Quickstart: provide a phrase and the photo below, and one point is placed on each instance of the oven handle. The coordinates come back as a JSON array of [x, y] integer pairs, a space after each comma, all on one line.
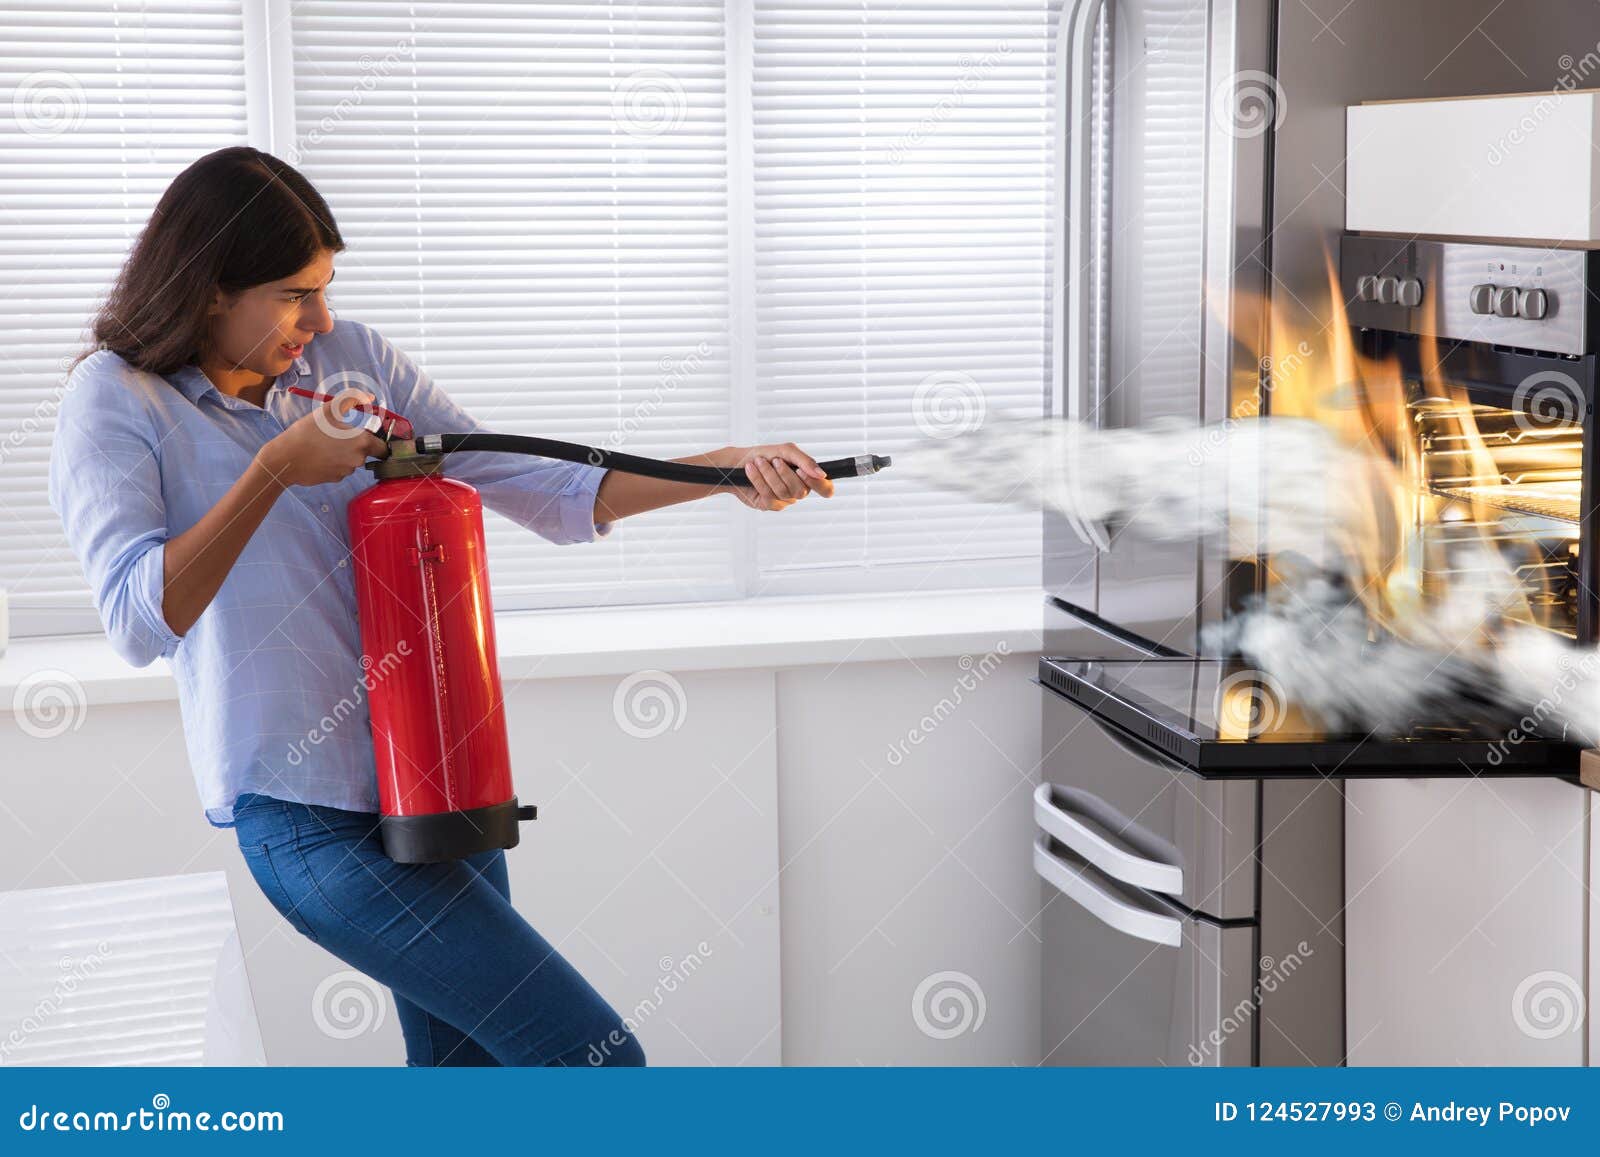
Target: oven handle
[[1135, 748], [1074, 882], [1117, 862], [1126, 743]]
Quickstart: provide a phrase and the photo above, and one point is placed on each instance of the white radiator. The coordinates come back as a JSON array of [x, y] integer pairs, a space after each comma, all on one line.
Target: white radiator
[[133, 972]]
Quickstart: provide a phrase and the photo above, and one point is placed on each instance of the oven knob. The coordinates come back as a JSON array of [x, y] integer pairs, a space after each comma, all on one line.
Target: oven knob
[[1410, 292], [1366, 288], [1505, 302], [1532, 304], [1482, 299], [1388, 290]]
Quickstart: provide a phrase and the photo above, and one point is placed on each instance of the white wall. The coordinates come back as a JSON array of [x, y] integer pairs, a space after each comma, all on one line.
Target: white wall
[[769, 824]]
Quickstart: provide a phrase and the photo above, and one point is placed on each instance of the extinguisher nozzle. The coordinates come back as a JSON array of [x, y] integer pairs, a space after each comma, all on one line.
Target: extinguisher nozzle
[[527, 811], [856, 466]]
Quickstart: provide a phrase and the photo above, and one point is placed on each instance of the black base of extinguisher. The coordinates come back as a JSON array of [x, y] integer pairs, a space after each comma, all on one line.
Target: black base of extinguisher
[[443, 836]]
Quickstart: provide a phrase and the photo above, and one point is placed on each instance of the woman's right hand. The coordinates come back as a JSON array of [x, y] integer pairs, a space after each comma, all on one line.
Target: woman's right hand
[[322, 446]]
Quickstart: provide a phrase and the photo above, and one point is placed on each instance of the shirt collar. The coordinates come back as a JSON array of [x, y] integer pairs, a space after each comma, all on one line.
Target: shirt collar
[[192, 380], [299, 368]]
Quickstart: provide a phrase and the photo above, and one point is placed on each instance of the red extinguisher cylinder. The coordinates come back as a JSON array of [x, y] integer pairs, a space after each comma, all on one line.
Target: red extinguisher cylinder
[[433, 681]]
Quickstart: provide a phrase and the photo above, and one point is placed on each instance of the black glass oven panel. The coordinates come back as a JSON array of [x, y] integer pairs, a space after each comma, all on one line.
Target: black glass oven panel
[[1217, 716]]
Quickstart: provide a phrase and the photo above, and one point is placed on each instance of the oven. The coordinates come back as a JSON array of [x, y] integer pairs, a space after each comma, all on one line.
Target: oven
[[1495, 348], [1188, 836]]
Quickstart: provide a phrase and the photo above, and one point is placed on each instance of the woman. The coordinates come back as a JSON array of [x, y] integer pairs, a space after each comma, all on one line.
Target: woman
[[207, 504]]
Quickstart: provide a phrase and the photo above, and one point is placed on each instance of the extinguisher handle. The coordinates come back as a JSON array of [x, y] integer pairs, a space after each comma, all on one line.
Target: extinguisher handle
[[386, 424]]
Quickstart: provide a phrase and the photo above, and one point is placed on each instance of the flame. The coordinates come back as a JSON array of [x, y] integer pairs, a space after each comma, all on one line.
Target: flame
[[1478, 508]]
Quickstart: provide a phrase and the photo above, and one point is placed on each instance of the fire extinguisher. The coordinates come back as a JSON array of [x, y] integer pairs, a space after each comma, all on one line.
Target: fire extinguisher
[[427, 635]]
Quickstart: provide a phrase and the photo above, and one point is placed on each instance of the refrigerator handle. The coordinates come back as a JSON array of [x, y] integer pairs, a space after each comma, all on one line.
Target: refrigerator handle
[[1070, 371], [1143, 921], [1066, 823]]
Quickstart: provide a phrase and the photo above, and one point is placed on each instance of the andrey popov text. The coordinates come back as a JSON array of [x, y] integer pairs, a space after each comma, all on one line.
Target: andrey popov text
[[1453, 1113]]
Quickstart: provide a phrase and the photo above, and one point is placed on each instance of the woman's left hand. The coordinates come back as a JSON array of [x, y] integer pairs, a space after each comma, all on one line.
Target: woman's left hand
[[780, 474]]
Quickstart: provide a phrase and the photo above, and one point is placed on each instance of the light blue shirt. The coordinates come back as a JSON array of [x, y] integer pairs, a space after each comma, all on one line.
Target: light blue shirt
[[269, 677]]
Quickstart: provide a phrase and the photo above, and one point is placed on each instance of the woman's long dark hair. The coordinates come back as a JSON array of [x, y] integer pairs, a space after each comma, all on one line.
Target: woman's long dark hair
[[235, 218]]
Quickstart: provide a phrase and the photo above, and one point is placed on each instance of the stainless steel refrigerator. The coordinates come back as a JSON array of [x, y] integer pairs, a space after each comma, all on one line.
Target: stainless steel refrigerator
[[1158, 926]]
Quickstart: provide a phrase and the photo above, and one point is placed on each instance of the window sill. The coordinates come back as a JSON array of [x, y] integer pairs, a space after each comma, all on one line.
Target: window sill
[[770, 632]]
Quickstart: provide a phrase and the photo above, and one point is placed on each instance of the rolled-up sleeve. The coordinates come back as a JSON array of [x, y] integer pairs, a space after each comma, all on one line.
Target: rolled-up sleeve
[[105, 485], [554, 499]]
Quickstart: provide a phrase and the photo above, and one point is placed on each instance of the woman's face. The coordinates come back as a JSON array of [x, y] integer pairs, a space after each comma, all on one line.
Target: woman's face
[[265, 327]]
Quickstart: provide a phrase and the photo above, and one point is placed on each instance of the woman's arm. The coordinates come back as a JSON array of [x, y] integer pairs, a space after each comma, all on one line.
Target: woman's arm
[[196, 561], [775, 482], [317, 448], [557, 499]]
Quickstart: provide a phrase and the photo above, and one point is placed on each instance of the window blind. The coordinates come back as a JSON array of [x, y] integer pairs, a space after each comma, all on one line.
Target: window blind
[[902, 158], [543, 202], [535, 199], [101, 105]]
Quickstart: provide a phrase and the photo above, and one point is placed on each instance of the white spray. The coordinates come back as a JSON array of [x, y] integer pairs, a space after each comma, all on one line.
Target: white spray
[[1328, 514]]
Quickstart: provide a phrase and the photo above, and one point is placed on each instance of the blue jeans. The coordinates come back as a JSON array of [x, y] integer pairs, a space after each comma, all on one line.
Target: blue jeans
[[473, 982]]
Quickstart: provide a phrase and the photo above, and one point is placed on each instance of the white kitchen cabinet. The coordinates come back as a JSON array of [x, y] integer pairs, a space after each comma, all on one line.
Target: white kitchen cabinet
[[1466, 921], [911, 931], [1476, 166]]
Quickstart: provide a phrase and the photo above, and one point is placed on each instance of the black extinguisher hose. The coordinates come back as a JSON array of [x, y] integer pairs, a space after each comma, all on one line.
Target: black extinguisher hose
[[854, 467]]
